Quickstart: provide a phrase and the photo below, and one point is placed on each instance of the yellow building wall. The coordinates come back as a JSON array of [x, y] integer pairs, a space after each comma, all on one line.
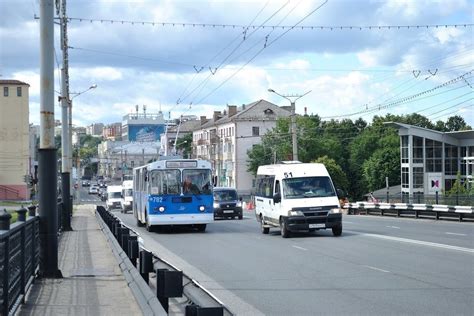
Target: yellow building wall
[[14, 141]]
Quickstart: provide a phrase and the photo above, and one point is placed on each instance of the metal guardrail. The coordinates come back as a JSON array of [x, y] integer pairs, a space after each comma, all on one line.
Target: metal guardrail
[[19, 258], [416, 210], [170, 281]]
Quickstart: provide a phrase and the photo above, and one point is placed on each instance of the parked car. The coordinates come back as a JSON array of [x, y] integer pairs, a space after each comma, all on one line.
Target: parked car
[[227, 203]]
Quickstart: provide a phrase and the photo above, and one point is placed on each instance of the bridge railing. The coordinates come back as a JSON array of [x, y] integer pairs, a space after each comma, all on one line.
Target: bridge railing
[[416, 210], [19, 258]]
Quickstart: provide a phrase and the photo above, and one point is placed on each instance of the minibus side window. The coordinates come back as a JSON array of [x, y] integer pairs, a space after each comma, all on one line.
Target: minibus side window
[[277, 186]]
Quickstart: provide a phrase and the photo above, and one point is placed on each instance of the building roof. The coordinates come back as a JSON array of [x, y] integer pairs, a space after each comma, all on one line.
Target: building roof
[[462, 134], [457, 134], [186, 127], [258, 110], [13, 82]]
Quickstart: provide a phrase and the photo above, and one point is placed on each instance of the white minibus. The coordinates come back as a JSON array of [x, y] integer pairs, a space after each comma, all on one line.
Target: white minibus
[[127, 196], [296, 197]]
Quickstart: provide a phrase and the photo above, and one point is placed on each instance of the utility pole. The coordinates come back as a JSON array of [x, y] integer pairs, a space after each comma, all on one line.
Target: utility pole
[[66, 141], [48, 208], [292, 99]]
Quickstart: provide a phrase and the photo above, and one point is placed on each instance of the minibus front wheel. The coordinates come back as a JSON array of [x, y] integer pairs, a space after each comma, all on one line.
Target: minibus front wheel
[[285, 233]]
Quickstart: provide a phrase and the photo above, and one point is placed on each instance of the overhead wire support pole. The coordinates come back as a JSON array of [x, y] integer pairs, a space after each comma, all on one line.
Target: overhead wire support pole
[[47, 163], [66, 148], [294, 138]]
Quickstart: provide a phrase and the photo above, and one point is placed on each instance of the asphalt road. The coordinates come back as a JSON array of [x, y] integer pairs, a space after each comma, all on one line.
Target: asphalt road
[[379, 266]]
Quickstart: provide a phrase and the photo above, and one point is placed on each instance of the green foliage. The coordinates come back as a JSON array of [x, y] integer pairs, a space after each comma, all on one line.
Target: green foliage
[[184, 144], [458, 187], [335, 171]]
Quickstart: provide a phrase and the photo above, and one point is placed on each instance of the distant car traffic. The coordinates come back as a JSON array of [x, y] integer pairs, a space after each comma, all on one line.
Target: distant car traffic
[[85, 183], [94, 189]]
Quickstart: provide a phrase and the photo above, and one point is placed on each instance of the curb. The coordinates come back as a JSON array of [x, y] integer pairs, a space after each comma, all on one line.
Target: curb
[[146, 299]]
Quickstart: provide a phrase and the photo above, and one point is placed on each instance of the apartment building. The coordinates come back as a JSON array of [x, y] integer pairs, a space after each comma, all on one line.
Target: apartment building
[[14, 140], [225, 139]]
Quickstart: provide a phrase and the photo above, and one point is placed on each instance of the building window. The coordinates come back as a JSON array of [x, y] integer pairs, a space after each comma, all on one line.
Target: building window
[[417, 149], [434, 151], [18, 91], [405, 183], [255, 131], [5, 91], [451, 159], [404, 149], [417, 178]]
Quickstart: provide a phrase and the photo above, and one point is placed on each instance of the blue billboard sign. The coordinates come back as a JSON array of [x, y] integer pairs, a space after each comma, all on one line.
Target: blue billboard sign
[[145, 133]]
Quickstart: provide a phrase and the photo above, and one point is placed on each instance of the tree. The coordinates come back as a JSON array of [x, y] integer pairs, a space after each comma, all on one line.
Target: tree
[[184, 145], [385, 162], [456, 123], [335, 171], [458, 187]]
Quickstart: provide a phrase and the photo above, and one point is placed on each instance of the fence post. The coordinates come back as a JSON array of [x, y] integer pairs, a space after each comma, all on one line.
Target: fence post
[[5, 220], [32, 210], [5, 225], [22, 218], [146, 264], [436, 197], [133, 249]]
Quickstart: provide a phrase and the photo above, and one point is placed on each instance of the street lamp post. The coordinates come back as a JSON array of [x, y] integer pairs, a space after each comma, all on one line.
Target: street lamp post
[[292, 99]]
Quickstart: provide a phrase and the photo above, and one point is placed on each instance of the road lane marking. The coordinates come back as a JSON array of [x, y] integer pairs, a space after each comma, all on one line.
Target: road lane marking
[[395, 227], [423, 243], [348, 222], [377, 269], [297, 247], [455, 234]]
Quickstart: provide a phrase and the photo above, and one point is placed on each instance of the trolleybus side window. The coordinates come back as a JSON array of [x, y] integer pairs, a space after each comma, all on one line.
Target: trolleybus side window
[[165, 182]]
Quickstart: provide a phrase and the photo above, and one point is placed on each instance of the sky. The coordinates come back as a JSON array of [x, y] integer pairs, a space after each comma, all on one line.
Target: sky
[[357, 58]]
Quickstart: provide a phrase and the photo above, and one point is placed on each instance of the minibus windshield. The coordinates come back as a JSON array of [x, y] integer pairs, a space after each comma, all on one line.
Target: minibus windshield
[[307, 187]]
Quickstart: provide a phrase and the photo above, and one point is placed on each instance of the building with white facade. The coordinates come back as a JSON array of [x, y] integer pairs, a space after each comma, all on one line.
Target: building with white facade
[[225, 139], [118, 158], [430, 160], [14, 140]]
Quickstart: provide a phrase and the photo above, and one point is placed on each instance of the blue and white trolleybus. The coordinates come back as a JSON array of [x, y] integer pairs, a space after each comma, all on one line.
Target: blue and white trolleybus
[[173, 192]]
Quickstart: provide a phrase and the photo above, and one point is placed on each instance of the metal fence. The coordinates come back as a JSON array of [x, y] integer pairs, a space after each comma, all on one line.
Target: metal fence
[[19, 258], [455, 199]]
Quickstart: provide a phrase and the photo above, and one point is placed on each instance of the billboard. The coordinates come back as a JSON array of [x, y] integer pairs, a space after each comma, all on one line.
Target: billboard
[[145, 132]]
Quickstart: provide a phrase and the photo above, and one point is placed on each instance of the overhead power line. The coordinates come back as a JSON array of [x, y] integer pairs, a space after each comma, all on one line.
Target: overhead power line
[[281, 27], [381, 106]]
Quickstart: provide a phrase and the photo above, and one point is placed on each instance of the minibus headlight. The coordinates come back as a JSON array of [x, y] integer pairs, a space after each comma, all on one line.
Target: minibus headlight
[[334, 211], [295, 213], [202, 208], [216, 205]]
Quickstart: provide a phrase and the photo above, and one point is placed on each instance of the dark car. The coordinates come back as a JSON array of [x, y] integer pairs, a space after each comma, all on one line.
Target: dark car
[[227, 203]]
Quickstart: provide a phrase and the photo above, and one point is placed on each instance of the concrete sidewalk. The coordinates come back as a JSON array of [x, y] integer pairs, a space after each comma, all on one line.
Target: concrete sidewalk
[[92, 283]]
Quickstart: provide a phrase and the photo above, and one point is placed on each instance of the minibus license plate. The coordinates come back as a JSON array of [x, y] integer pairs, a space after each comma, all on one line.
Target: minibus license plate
[[317, 225], [228, 211]]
